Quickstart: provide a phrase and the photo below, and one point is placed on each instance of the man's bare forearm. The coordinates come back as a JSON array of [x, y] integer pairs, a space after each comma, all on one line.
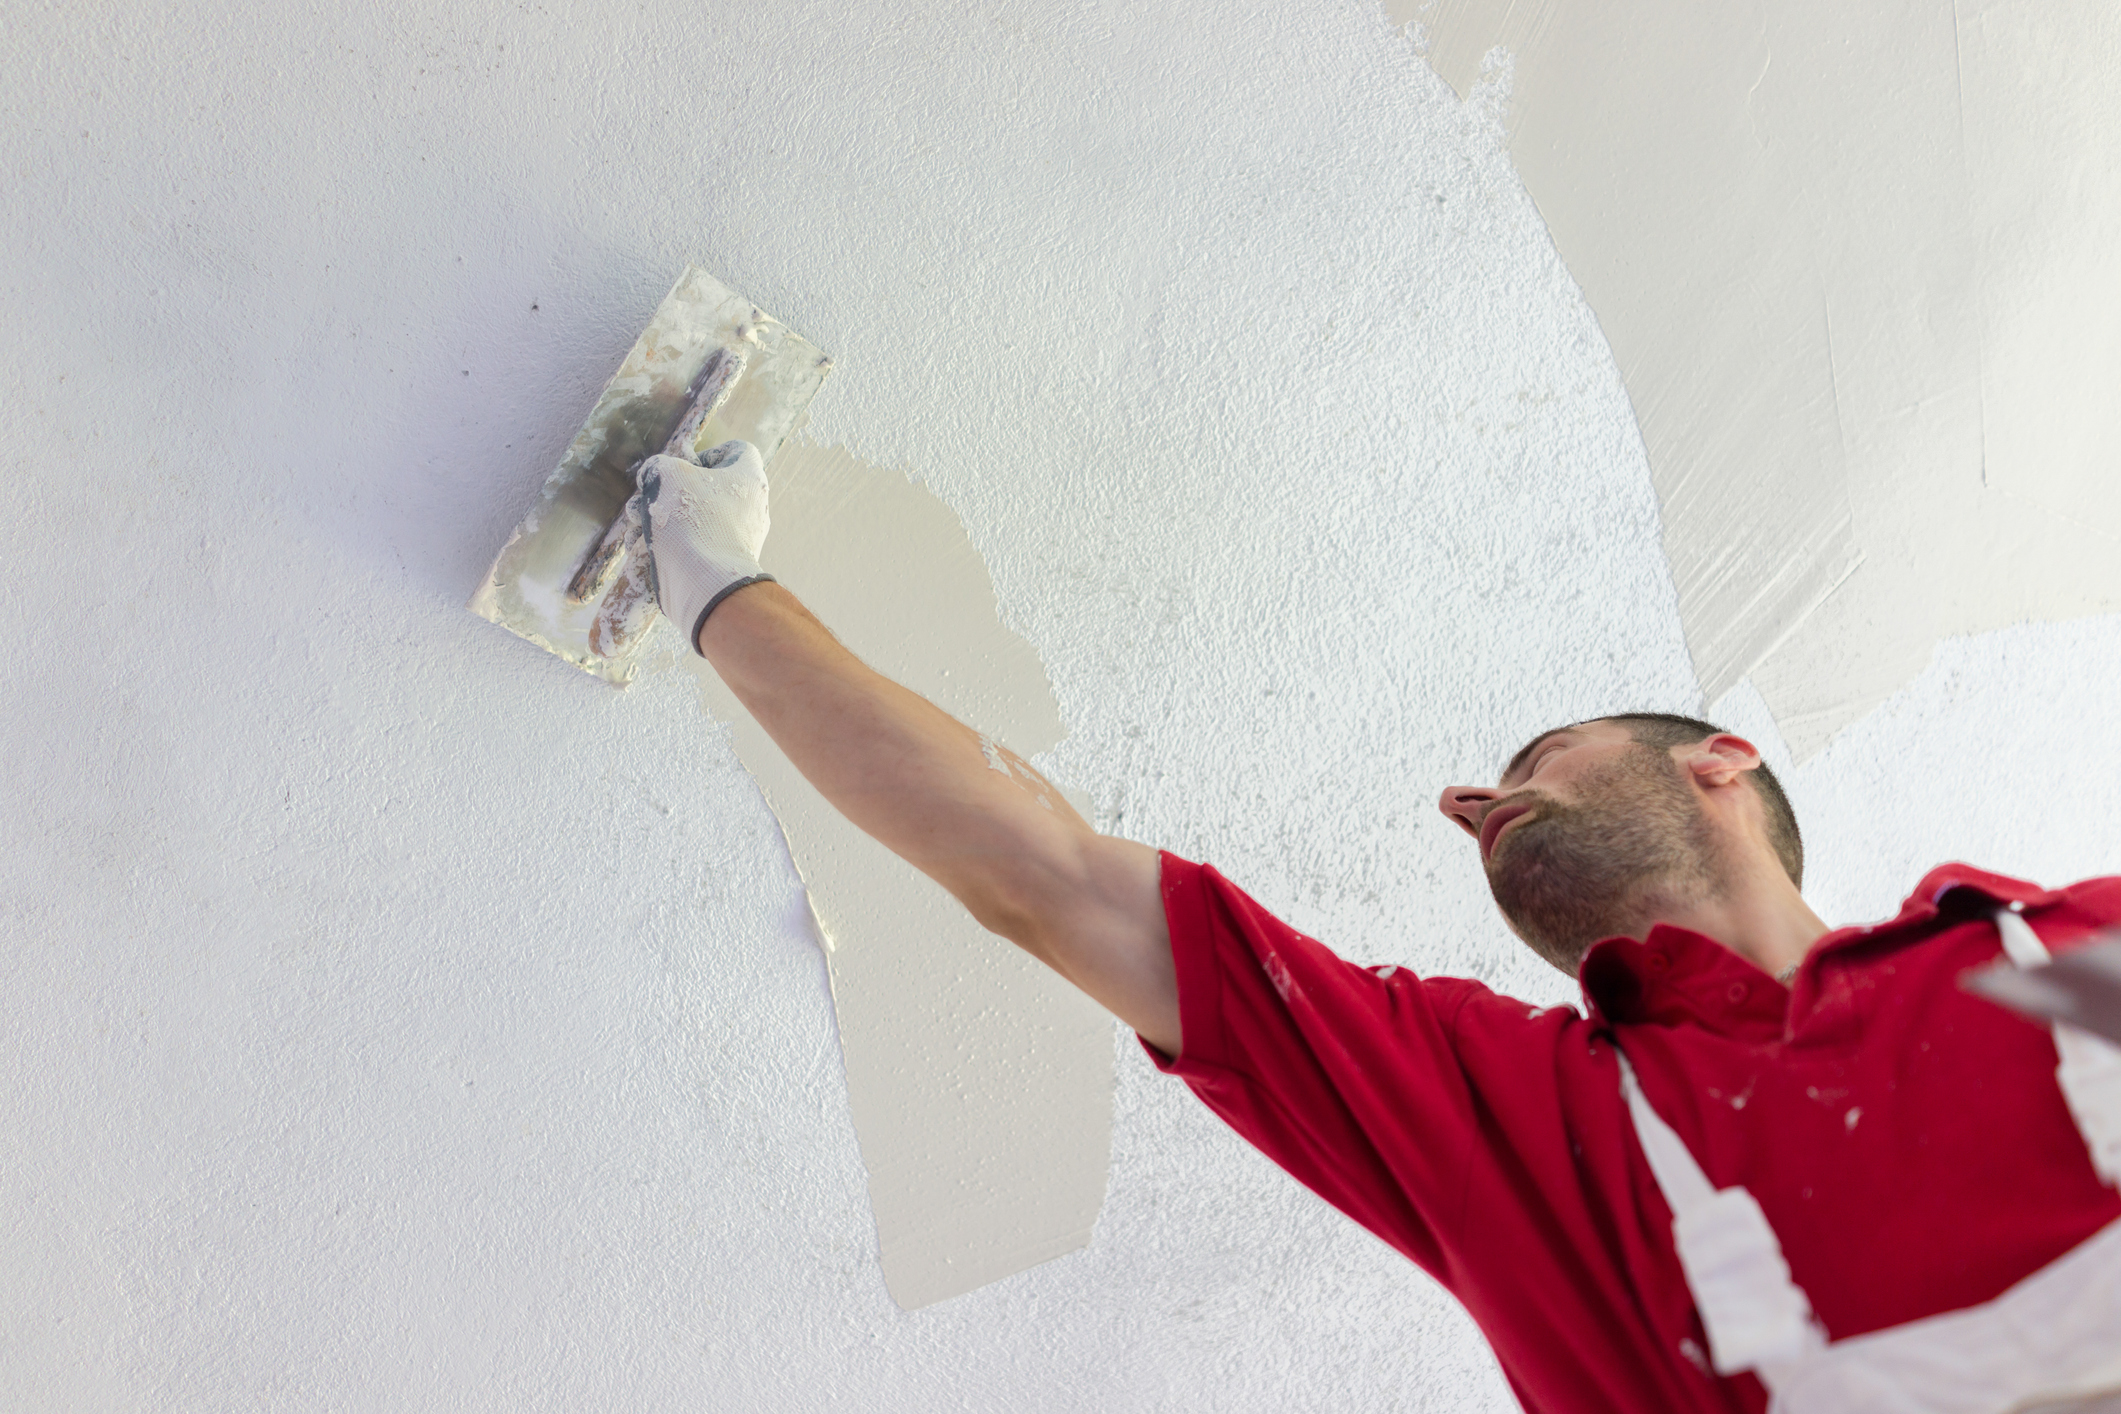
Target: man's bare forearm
[[961, 808], [921, 782]]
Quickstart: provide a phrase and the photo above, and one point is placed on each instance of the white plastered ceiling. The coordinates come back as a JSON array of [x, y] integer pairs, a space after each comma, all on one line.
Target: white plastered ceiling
[[396, 1017]]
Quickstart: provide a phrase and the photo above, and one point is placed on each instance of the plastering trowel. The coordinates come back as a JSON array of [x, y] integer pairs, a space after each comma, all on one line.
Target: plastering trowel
[[574, 577]]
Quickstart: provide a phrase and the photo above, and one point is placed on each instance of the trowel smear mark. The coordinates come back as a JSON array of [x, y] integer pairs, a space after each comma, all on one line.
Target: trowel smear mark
[[980, 1083]]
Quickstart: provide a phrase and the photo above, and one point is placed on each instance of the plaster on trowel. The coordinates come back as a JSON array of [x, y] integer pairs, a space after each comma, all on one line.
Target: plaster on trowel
[[574, 577]]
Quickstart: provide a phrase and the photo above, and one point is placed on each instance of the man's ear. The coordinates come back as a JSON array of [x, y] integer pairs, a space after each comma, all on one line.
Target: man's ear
[[1719, 760]]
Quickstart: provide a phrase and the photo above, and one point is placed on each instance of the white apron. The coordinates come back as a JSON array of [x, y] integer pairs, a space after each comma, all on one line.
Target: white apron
[[2049, 1345]]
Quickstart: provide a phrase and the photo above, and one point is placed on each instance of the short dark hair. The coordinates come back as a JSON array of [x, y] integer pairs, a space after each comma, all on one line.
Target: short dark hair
[[1661, 731]]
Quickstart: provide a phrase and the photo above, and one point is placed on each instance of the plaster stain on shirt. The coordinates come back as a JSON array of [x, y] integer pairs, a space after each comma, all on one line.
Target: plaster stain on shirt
[[1278, 974], [1384, 974], [1854, 1115]]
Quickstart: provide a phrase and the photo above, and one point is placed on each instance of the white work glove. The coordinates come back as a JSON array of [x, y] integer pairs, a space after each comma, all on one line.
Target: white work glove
[[705, 526]]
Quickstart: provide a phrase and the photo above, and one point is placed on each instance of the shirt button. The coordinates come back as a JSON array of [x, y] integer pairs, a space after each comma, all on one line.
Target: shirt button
[[1737, 992]]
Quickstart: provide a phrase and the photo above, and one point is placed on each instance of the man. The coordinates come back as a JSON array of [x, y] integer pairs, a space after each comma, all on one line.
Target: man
[[1765, 1163]]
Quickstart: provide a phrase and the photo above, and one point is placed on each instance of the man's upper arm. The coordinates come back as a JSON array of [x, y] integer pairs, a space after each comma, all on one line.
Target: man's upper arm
[[1346, 1076]]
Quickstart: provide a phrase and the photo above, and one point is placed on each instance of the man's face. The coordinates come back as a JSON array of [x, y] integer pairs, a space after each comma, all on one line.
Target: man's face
[[1587, 835]]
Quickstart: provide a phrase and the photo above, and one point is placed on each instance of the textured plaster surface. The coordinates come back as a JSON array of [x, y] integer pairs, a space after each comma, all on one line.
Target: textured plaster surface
[[396, 1017]]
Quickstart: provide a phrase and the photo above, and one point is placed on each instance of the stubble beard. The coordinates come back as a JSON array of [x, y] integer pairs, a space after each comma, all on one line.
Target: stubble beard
[[1635, 846]]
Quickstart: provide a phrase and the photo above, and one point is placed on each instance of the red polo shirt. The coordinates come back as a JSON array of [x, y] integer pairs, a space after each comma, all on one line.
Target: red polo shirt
[[1905, 1138]]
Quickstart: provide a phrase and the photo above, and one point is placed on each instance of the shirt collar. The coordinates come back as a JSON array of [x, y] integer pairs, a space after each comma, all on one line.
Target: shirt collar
[[1675, 975], [1977, 890]]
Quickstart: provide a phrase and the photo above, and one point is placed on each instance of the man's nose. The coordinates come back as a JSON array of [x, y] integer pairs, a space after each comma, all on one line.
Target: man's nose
[[1466, 805]]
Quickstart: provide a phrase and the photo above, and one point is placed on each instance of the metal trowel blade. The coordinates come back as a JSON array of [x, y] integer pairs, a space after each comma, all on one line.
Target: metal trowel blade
[[526, 591]]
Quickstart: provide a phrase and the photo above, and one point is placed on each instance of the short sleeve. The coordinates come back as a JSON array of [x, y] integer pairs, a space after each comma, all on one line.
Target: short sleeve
[[1344, 1075]]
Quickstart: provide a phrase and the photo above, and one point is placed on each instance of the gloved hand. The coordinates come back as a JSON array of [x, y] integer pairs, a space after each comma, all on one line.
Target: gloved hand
[[704, 528]]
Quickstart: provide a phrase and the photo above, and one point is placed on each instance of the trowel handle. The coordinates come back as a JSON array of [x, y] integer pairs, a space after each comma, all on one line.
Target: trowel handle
[[629, 606], [601, 564], [709, 390]]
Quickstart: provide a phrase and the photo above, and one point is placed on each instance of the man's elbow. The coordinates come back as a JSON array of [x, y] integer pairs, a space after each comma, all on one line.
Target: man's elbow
[[1034, 891]]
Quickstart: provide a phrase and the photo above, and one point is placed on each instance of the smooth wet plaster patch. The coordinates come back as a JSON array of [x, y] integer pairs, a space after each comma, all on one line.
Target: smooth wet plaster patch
[[980, 1082], [1855, 265]]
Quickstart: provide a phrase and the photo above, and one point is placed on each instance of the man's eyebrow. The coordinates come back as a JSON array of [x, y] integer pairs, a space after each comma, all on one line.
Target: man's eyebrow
[[1529, 747]]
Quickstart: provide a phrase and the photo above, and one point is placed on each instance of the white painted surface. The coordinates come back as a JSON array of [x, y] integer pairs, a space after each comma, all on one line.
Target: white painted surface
[[399, 1018]]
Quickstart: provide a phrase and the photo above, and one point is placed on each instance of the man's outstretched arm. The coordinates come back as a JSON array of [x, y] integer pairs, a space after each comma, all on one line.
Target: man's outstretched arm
[[965, 811]]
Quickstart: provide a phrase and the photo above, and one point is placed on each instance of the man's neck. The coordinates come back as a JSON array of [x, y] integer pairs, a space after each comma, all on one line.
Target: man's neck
[[1758, 915]]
